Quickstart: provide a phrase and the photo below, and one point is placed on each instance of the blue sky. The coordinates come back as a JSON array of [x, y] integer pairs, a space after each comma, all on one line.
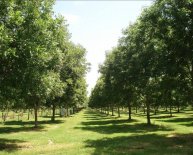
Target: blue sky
[[97, 25]]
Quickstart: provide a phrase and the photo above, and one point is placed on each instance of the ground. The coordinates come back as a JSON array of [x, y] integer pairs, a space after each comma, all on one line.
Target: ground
[[91, 133]]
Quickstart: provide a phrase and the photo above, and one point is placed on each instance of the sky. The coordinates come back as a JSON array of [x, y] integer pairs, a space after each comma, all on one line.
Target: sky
[[97, 26]]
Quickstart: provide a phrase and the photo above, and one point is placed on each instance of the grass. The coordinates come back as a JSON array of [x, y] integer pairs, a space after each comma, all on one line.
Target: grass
[[92, 133]]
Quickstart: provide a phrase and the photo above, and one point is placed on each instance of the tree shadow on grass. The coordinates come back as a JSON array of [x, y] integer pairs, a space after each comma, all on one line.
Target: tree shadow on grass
[[23, 123], [149, 144], [20, 126], [162, 117], [109, 121], [6, 130], [94, 116], [111, 126], [181, 121], [9, 145], [57, 116], [123, 128], [176, 120]]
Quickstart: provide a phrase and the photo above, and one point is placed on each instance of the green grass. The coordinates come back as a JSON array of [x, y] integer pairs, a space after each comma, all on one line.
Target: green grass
[[89, 132]]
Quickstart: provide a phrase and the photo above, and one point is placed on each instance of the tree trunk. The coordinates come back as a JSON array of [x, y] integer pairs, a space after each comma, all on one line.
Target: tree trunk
[[170, 111], [41, 112], [166, 108], [36, 114], [178, 108], [136, 110], [144, 109], [53, 111], [118, 112], [28, 114], [67, 111], [108, 110], [192, 81], [3, 117], [148, 113], [73, 110], [112, 111], [129, 110], [155, 111]]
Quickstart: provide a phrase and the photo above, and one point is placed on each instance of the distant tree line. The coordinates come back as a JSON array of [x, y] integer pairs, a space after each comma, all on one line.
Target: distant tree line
[[152, 65], [40, 66]]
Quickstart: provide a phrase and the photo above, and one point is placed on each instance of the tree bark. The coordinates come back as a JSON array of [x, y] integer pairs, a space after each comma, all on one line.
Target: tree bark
[[41, 112], [112, 111], [148, 113], [129, 110], [53, 111], [67, 111], [178, 108], [166, 108], [192, 81], [28, 114], [36, 114], [73, 110], [18, 117], [155, 110], [170, 110], [144, 109], [119, 112]]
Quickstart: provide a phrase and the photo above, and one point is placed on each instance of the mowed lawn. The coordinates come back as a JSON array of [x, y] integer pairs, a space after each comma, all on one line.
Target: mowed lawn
[[89, 132]]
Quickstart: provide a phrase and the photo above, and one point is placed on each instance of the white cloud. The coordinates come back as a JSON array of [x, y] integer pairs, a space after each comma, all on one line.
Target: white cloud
[[71, 19]]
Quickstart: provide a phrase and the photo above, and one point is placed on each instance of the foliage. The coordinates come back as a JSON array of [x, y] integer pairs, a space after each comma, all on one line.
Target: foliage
[[152, 64]]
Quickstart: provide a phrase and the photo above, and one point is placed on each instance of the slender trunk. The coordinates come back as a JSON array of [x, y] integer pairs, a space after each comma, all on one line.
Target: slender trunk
[[136, 109], [36, 114], [22, 115], [28, 114], [3, 117], [166, 108], [192, 81], [112, 111], [129, 111], [72, 110], [67, 111], [53, 111], [108, 111], [178, 108], [18, 117], [144, 109], [119, 112], [41, 112], [170, 110], [148, 113], [155, 110]]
